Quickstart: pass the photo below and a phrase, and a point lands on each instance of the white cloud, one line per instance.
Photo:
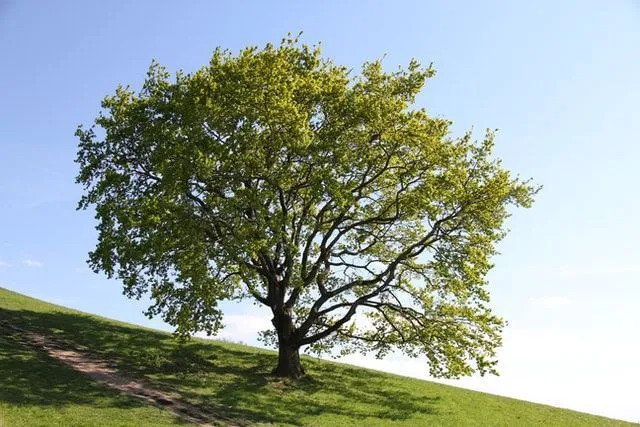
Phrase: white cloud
(552, 302)
(4, 264)
(242, 328)
(32, 263)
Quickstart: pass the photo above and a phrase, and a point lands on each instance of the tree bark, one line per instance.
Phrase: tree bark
(289, 362)
(288, 349)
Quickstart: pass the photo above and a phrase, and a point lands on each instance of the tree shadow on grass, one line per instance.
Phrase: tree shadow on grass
(353, 394)
(230, 380)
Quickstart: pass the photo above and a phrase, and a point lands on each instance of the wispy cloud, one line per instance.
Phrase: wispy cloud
(32, 263)
(4, 264)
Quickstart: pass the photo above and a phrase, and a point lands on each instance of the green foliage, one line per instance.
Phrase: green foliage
(232, 381)
(278, 175)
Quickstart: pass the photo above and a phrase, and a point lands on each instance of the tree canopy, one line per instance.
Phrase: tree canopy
(327, 196)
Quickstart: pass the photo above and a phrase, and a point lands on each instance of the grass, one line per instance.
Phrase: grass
(37, 391)
(228, 378)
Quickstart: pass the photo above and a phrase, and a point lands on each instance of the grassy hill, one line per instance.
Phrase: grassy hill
(229, 379)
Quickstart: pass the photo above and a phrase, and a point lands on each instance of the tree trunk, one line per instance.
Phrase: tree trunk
(289, 362)
(288, 349)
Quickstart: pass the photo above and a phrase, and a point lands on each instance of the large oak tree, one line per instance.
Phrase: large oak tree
(326, 196)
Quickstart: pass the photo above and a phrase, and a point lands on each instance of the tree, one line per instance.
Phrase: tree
(280, 176)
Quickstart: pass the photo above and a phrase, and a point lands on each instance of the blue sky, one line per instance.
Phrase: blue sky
(559, 79)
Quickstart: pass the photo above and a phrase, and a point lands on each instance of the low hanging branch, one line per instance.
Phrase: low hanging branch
(329, 198)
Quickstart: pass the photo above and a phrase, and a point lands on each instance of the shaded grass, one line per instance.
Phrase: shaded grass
(234, 380)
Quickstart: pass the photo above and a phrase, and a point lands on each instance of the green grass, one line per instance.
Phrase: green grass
(35, 390)
(228, 378)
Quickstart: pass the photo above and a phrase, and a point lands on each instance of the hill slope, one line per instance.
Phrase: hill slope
(229, 379)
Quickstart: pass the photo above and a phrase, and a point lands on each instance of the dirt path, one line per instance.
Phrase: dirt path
(103, 371)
